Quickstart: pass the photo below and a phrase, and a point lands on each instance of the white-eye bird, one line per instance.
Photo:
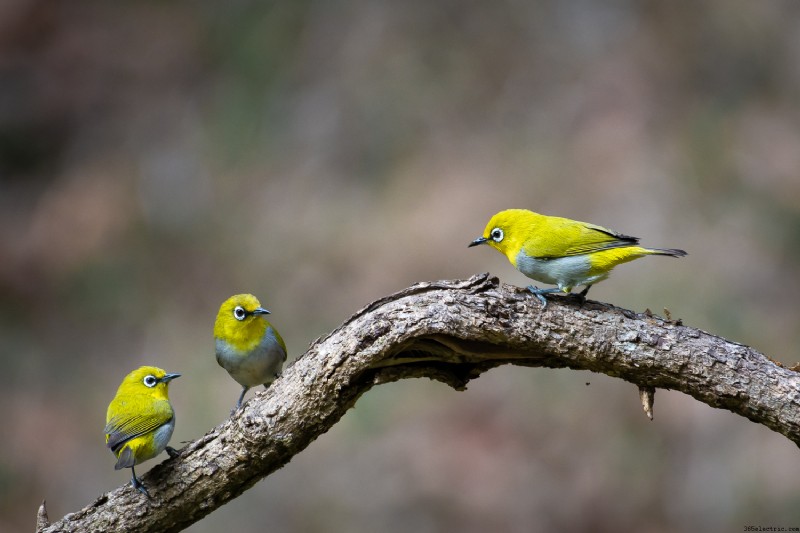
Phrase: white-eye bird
(247, 346)
(559, 251)
(140, 420)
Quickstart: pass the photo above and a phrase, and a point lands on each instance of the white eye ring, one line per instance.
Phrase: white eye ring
(150, 381)
(496, 235)
(239, 313)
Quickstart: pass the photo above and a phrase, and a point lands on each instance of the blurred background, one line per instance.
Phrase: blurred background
(157, 157)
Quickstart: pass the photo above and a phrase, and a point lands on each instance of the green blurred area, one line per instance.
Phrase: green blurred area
(157, 157)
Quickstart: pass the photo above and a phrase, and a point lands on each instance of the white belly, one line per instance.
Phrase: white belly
(261, 366)
(565, 272)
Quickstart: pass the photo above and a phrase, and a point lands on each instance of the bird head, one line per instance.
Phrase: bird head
(507, 231)
(147, 380)
(240, 320)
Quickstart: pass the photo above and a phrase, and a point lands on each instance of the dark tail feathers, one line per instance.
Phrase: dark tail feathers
(672, 252)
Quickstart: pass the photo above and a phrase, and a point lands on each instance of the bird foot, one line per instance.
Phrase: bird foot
(577, 297)
(580, 297)
(539, 293)
(138, 485)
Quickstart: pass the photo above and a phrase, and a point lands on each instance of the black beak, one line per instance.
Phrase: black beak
(260, 311)
(169, 377)
(476, 242)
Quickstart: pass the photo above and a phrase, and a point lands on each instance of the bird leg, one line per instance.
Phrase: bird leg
(239, 401)
(580, 296)
(138, 485)
(172, 452)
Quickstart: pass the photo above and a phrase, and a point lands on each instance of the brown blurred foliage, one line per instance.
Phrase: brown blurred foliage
(157, 157)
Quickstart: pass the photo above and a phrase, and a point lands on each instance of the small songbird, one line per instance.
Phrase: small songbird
(560, 251)
(247, 346)
(140, 420)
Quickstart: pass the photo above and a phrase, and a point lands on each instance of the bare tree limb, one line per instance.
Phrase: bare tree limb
(450, 331)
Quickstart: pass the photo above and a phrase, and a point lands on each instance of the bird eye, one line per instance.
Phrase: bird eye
(497, 235)
(239, 313)
(150, 380)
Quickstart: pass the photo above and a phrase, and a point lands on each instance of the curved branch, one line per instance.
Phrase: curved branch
(450, 331)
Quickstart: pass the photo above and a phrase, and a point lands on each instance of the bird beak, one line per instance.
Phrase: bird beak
(476, 242)
(169, 377)
(260, 311)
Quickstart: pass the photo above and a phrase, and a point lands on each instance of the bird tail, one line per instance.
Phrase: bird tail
(672, 252)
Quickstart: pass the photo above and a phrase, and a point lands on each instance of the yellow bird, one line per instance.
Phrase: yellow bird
(247, 346)
(140, 420)
(559, 251)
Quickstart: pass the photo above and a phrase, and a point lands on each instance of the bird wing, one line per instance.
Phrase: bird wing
(280, 341)
(569, 238)
(148, 417)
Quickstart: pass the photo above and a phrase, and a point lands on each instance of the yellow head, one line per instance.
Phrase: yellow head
(508, 230)
(146, 381)
(240, 322)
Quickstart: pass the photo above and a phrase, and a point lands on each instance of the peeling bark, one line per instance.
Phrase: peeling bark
(450, 331)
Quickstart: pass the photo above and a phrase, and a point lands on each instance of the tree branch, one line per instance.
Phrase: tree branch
(450, 331)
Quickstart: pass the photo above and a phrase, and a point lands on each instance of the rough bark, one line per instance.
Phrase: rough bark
(451, 331)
